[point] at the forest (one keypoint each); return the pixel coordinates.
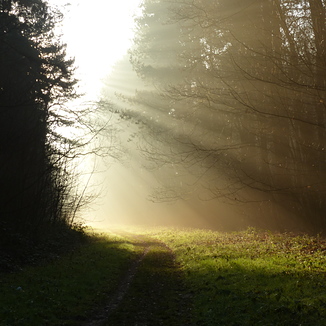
(216, 101)
(227, 96)
(38, 195)
(232, 95)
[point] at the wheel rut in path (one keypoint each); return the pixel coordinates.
(101, 316)
(150, 293)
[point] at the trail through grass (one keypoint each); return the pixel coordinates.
(187, 277)
(157, 295)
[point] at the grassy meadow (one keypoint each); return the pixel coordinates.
(188, 277)
(252, 277)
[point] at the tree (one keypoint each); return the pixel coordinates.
(247, 92)
(35, 79)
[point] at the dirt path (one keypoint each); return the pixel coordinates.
(150, 293)
(101, 316)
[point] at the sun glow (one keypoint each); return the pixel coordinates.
(97, 34)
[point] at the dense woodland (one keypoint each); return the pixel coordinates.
(233, 90)
(231, 93)
(36, 80)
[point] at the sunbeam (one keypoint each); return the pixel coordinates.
(182, 85)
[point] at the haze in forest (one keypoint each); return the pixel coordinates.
(217, 111)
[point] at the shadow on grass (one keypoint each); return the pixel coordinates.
(253, 296)
(215, 292)
(243, 293)
(62, 292)
(157, 295)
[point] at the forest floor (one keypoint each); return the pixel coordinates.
(166, 276)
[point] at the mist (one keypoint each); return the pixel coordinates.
(217, 128)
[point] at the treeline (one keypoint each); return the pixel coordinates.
(36, 80)
(239, 85)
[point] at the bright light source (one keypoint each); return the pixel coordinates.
(97, 33)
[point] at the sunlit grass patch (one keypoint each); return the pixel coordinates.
(252, 277)
(64, 291)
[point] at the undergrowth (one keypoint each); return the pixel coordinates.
(17, 251)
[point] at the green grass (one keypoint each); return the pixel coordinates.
(64, 291)
(251, 278)
(188, 277)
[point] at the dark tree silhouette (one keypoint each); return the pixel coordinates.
(35, 76)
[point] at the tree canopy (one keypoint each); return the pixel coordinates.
(239, 88)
